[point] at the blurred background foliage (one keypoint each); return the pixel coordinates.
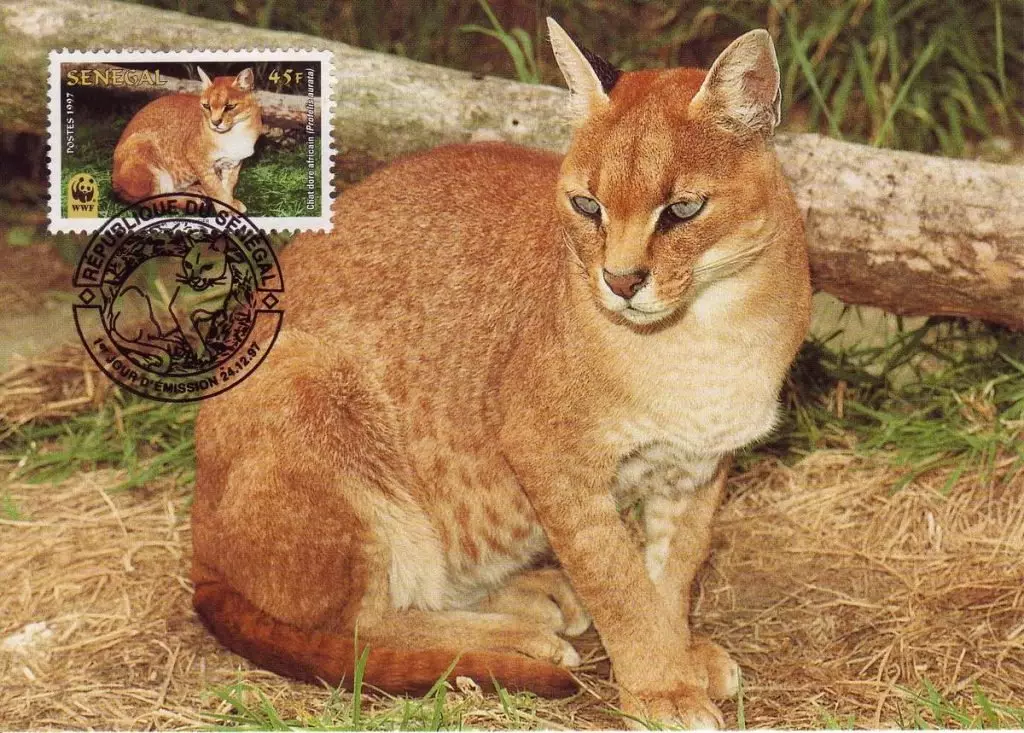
(939, 76)
(936, 76)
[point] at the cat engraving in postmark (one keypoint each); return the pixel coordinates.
(180, 297)
(249, 128)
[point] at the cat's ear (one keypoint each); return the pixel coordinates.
(589, 77)
(220, 244)
(244, 80)
(204, 78)
(742, 88)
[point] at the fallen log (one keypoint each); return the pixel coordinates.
(914, 234)
(278, 110)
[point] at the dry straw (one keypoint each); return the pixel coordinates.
(838, 598)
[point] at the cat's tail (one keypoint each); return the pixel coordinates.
(315, 655)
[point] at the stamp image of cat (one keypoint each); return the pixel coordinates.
(250, 129)
(179, 297)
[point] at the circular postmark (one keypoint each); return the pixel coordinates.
(180, 297)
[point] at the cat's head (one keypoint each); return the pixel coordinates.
(670, 176)
(205, 264)
(227, 100)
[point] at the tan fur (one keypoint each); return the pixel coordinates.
(457, 393)
(188, 143)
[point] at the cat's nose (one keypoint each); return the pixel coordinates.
(216, 122)
(626, 286)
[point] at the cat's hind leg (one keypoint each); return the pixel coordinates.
(543, 595)
(139, 173)
(473, 632)
(135, 174)
(189, 330)
(132, 327)
(308, 546)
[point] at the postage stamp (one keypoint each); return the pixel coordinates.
(248, 129)
(180, 297)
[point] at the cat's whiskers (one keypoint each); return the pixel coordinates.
(735, 260)
(728, 265)
(575, 256)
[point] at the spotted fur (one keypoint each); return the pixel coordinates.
(457, 396)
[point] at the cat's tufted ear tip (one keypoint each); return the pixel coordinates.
(220, 244)
(589, 77)
(743, 86)
(759, 35)
(204, 78)
(557, 35)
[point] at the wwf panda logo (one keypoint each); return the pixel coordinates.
(83, 188)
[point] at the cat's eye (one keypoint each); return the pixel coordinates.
(680, 211)
(586, 206)
(229, 107)
(204, 268)
(206, 105)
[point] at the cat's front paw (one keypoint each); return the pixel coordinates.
(684, 706)
(723, 674)
(156, 364)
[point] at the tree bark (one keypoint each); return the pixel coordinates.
(278, 110)
(914, 234)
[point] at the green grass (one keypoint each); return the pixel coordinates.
(145, 439)
(438, 709)
(250, 709)
(959, 403)
(517, 44)
(926, 76)
(927, 708)
(9, 508)
(271, 183)
(831, 721)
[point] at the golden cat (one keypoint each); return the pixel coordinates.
(142, 318)
(183, 142)
(492, 345)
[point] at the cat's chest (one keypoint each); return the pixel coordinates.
(234, 146)
(704, 406)
(706, 391)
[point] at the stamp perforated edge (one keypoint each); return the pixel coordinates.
(56, 223)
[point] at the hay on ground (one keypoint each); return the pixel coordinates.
(834, 595)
